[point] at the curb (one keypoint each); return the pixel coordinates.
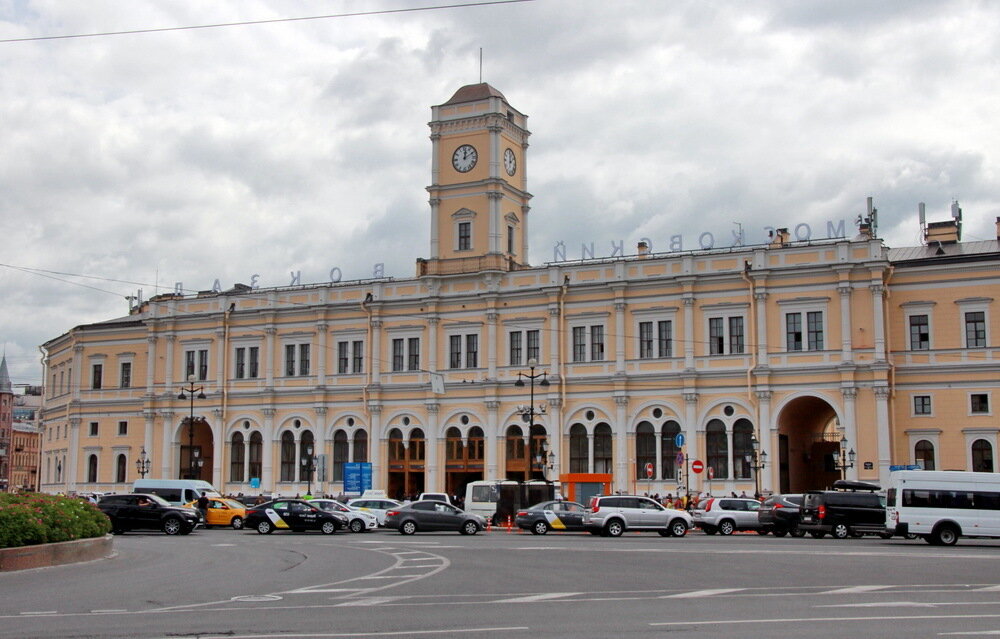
(57, 554)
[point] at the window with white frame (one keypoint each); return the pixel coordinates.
(920, 332)
(246, 362)
(464, 236)
(726, 335)
(405, 354)
(123, 428)
(523, 346)
(588, 342)
(350, 357)
(463, 350)
(655, 339)
(979, 404)
(93, 429)
(125, 374)
(975, 329)
(196, 364)
(296, 360)
(97, 376)
(921, 404)
(812, 339)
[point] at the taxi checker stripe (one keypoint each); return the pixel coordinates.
(554, 521)
(275, 519)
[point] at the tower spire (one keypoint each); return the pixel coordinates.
(5, 385)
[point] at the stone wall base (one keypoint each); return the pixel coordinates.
(65, 552)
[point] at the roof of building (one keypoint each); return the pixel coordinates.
(938, 251)
(474, 93)
(5, 385)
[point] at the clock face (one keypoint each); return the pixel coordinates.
(509, 162)
(464, 158)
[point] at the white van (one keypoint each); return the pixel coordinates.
(481, 497)
(942, 506)
(176, 491)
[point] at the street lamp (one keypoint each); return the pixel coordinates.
(307, 465)
(528, 412)
(545, 461)
(846, 458)
(758, 462)
(191, 389)
(142, 464)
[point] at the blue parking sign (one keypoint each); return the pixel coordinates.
(679, 440)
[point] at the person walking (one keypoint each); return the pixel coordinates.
(203, 506)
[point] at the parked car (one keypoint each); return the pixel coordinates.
(138, 511)
(357, 520)
(551, 515)
(853, 508)
(726, 515)
(377, 506)
(430, 515)
(779, 515)
(296, 515)
(612, 515)
(435, 497)
(222, 512)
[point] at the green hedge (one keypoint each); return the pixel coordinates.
(35, 518)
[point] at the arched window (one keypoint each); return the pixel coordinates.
(360, 446)
(923, 454)
(602, 449)
(417, 445)
(982, 456)
(578, 453)
(515, 443)
(645, 449)
(120, 466)
(92, 468)
(742, 448)
(396, 450)
(454, 444)
(287, 456)
(340, 451)
(307, 447)
(476, 446)
(236, 457)
(669, 449)
(717, 448)
(256, 455)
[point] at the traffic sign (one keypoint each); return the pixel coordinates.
(649, 470)
(697, 466)
(679, 440)
(711, 473)
(680, 459)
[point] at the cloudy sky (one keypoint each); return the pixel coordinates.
(194, 155)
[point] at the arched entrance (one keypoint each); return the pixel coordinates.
(463, 459)
(808, 444)
(406, 464)
(197, 450)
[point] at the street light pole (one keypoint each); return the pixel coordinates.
(142, 464)
(191, 389)
(758, 462)
(845, 458)
(308, 464)
(528, 412)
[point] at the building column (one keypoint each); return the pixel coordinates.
(150, 366)
(76, 377)
(169, 452)
(691, 435)
(168, 371)
(222, 362)
(491, 341)
(149, 418)
(732, 454)
(849, 423)
(73, 463)
(884, 440)
(269, 333)
(555, 434)
(590, 452)
(219, 456)
(322, 355)
(620, 333)
(768, 435)
(495, 235)
(490, 436)
(432, 478)
(376, 362)
(760, 302)
(432, 344)
(844, 288)
(267, 451)
(688, 331)
(374, 445)
(621, 443)
(878, 319)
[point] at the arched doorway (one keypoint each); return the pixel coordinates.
(808, 445)
(515, 455)
(196, 450)
(406, 464)
(463, 459)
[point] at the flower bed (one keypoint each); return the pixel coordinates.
(35, 518)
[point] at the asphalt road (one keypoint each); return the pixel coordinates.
(232, 584)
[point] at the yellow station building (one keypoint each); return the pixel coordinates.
(787, 353)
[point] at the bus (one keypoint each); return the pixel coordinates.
(498, 500)
(941, 506)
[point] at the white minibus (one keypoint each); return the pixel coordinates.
(941, 506)
(177, 491)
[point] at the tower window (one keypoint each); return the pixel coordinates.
(464, 236)
(510, 240)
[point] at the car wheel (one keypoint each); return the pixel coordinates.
(469, 528)
(172, 526)
(762, 532)
(840, 531)
(678, 528)
(265, 527)
(945, 535)
(614, 528)
(798, 533)
(357, 526)
(817, 534)
(408, 527)
(709, 530)
(726, 527)
(885, 535)
(778, 532)
(237, 523)
(540, 528)
(910, 536)
(328, 528)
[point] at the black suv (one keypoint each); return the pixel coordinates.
(138, 511)
(853, 508)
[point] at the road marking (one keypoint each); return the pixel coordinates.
(773, 620)
(989, 589)
(542, 597)
(881, 604)
(702, 593)
(971, 632)
(222, 545)
(393, 633)
(371, 601)
(108, 611)
(309, 591)
(854, 590)
(40, 612)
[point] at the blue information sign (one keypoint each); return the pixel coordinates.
(679, 440)
(357, 477)
(255, 482)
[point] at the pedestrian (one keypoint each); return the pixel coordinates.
(203, 505)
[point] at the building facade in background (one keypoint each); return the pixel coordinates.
(799, 348)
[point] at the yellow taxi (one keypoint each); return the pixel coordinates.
(222, 512)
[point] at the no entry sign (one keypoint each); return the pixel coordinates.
(649, 470)
(697, 466)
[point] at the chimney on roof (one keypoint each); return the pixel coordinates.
(949, 232)
(779, 237)
(643, 247)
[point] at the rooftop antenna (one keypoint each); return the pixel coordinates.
(480, 65)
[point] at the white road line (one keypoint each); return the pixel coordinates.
(371, 601)
(702, 593)
(542, 597)
(915, 604)
(309, 591)
(332, 635)
(108, 611)
(989, 589)
(854, 590)
(40, 612)
(773, 620)
(971, 632)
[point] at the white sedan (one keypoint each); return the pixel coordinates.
(357, 520)
(377, 507)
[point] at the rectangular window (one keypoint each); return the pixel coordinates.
(463, 348)
(664, 338)
(342, 358)
(357, 356)
(189, 365)
(125, 375)
(921, 404)
(241, 363)
(123, 428)
(93, 429)
(920, 334)
(397, 354)
(303, 359)
(579, 343)
(735, 335)
(979, 403)
(413, 354)
(289, 360)
(716, 336)
(98, 373)
(464, 236)
(814, 327)
(515, 349)
(455, 351)
(975, 329)
(793, 332)
(645, 340)
(534, 344)
(510, 240)
(471, 351)
(253, 370)
(597, 343)
(196, 364)
(203, 365)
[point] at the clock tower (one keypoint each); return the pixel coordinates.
(478, 196)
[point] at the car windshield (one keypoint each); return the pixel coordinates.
(156, 499)
(232, 503)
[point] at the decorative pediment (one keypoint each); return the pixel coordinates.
(463, 213)
(511, 219)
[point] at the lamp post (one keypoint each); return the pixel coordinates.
(307, 465)
(528, 412)
(758, 462)
(845, 459)
(545, 459)
(191, 389)
(142, 464)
